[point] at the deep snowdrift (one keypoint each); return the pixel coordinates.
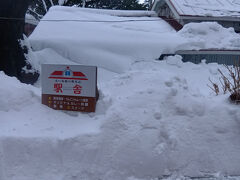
(159, 118)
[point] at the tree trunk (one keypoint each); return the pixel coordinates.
(12, 59)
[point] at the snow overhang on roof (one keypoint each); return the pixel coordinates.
(119, 13)
(225, 10)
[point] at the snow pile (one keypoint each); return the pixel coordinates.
(209, 35)
(159, 118)
(14, 102)
(23, 102)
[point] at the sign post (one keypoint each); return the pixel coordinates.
(69, 87)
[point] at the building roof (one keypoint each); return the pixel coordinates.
(205, 8)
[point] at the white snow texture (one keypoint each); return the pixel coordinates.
(153, 118)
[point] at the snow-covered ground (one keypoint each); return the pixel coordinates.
(153, 118)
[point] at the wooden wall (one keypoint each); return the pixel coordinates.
(12, 59)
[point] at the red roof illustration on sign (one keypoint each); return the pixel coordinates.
(68, 74)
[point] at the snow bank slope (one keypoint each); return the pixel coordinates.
(157, 119)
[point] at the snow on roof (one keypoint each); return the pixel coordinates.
(212, 8)
(120, 13)
(100, 37)
(93, 37)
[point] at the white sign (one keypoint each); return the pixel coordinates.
(69, 87)
(71, 80)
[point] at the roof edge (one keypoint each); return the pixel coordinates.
(210, 51)
(211, 18)
(173, 8)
